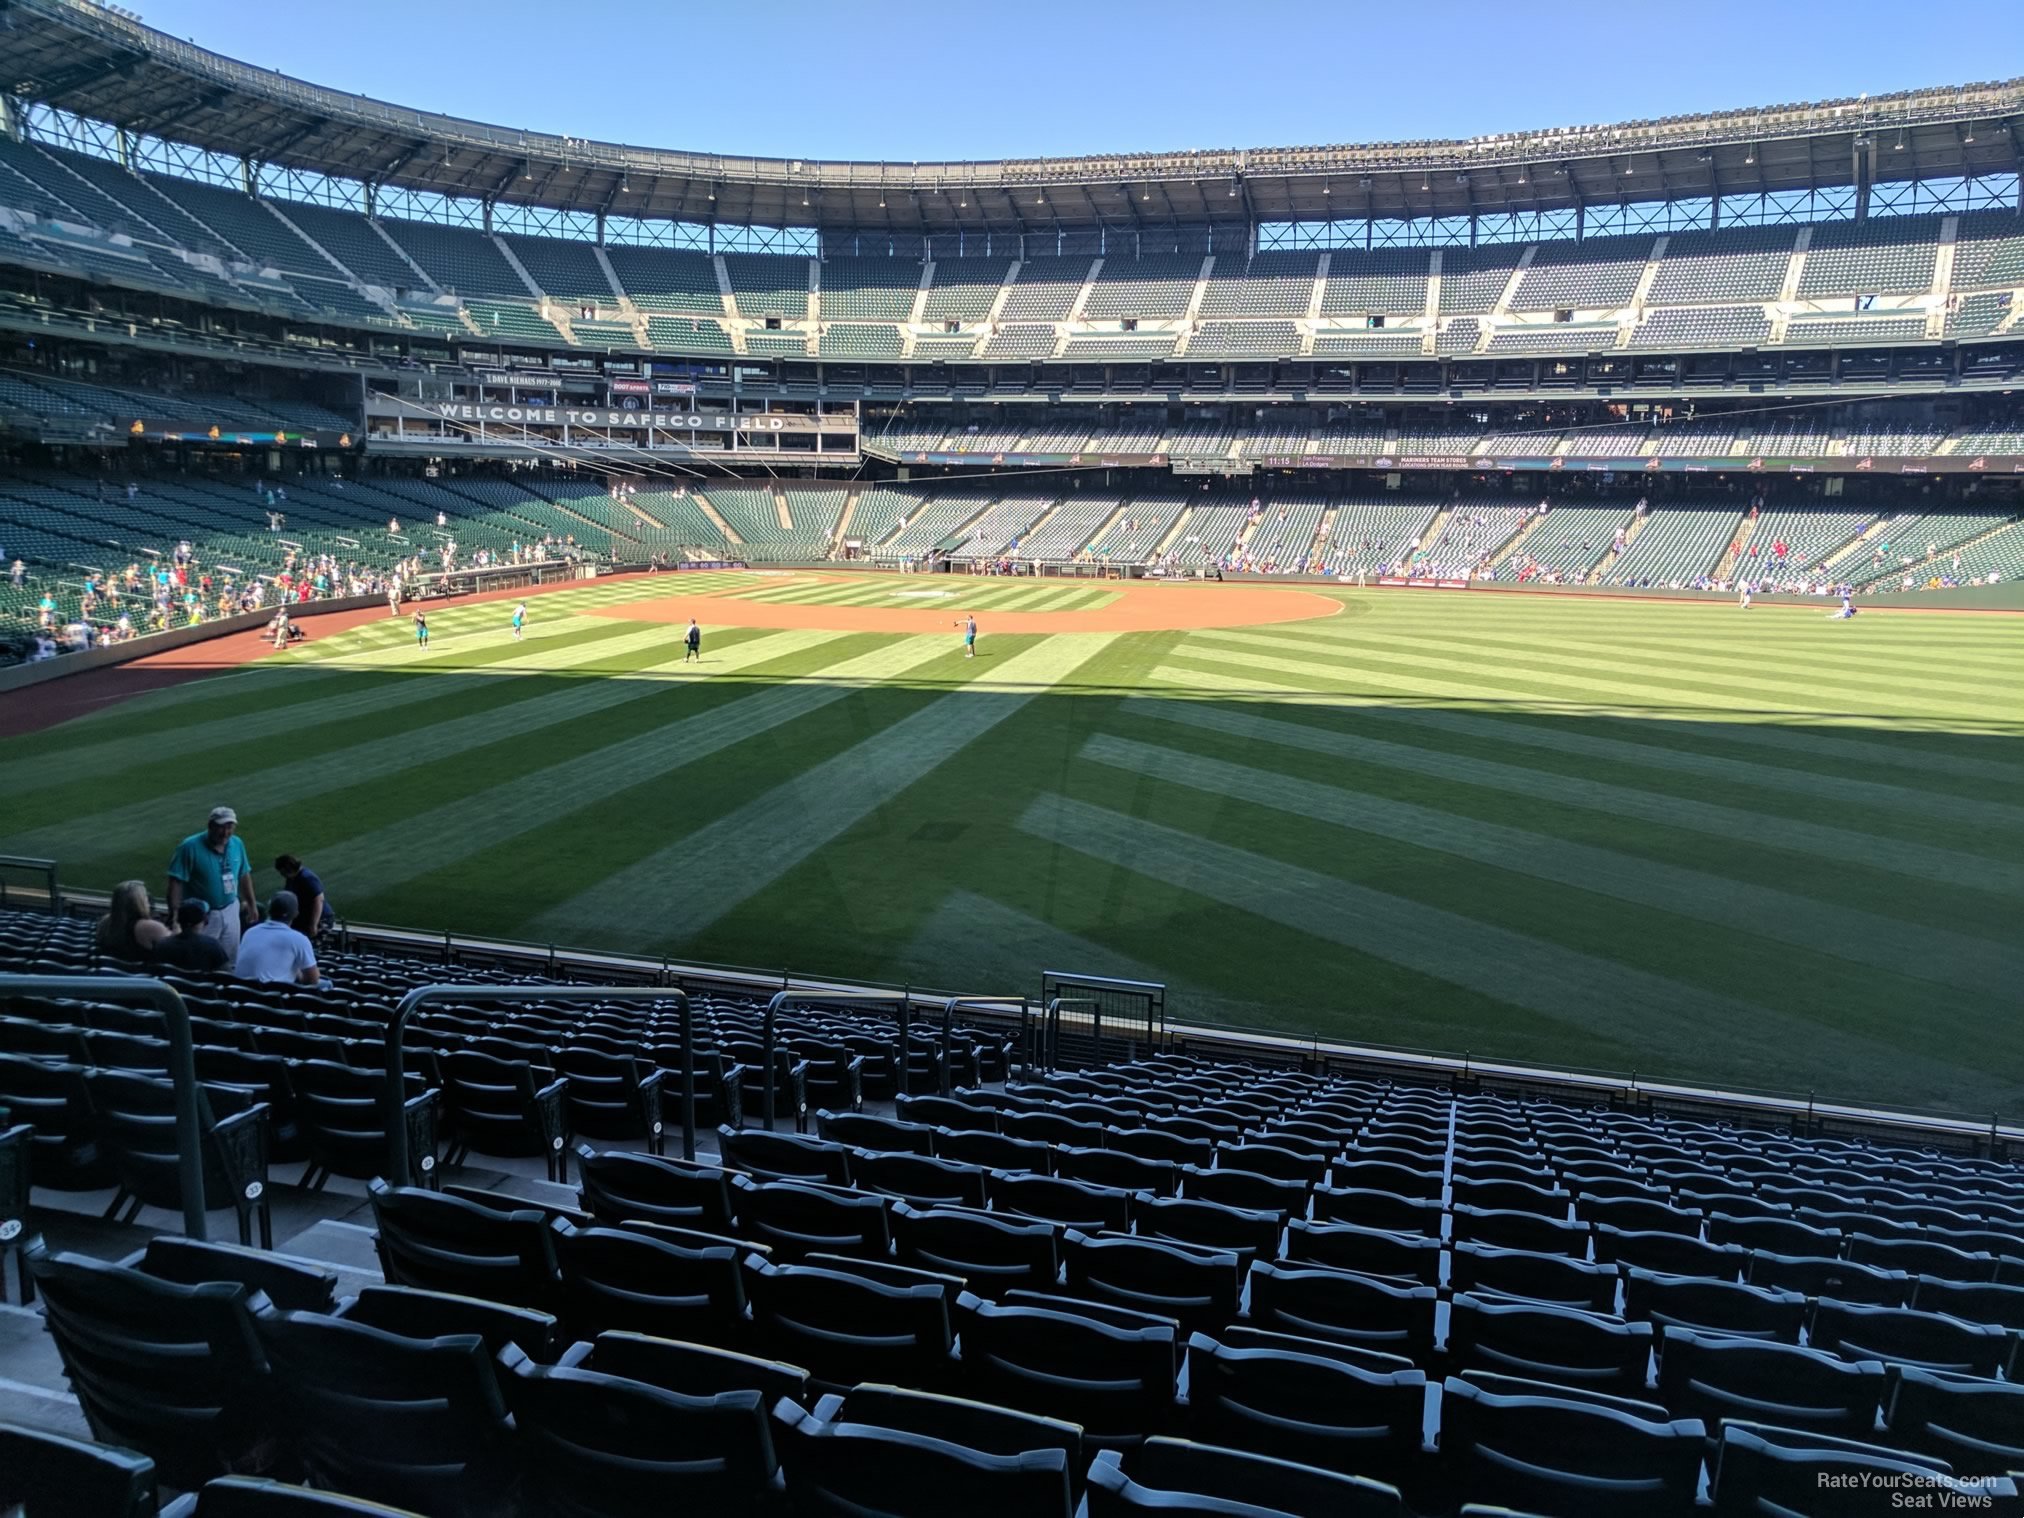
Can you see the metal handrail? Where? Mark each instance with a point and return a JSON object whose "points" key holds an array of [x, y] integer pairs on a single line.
{"points": [[948, 1024], [165, 999], [769, 1036], [1050, 1026], [422, 996], [43, 867]]}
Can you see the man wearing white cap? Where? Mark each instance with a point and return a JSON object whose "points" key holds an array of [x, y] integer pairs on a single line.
{"points": [[212, 867]]}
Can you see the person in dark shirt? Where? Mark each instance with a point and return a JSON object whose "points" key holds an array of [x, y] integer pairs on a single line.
{"points": [[313, 915], [189, 949]]}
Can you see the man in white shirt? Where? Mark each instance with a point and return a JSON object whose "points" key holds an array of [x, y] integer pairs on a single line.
{"points": [[274, 951]]}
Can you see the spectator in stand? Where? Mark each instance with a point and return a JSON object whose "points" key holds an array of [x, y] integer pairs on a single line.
{"points": [[20, 574], [212, 867], [189, 949], [129, 930], [273, 951], [313, 915]]}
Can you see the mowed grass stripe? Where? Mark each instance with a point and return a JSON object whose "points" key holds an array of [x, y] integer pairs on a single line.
{"points": [[1878, 676], [1912, 752], [532, 706], [1596, 994], [1404, 661], [1886, 943], [701, 877], [1735, 826], [1842, 789], [511, 807]]}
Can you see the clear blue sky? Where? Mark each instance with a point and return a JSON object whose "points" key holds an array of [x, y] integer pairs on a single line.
{"points": [[913, 79]]}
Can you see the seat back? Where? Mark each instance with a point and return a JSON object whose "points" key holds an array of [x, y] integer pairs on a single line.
{"points": [[171, 1371], [444, 1243], [418, 1422], [1197, 1289], [1552, 1279], [1308, 1407], [847, 1329], [50, 1476], [1975, 1425], [618, 1186], [1565, 1455], [1553, 1344], [599, 1446], [1728, 1307], [795, 1220], [990, 1252], [783, 1156], [615, 1279], [1716, 1376], [1900, 1336], [1317, 1303], [854, 1470], [1760, 1468], [1116, 1381]]}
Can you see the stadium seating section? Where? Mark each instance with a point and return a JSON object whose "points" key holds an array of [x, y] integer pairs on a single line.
{"points": [[1147, 1281]]}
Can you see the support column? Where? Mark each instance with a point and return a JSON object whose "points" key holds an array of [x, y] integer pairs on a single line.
{"points": [[10, 117], [123, 148], [249, 176], [487, 209], [600, 229], [1580, 221], [1862, 165]]}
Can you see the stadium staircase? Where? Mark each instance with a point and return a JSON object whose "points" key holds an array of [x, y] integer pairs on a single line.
{"points": [[1856, 547], [1948, 550], [519, 268], [423, 279], [1173, 534], [1738, 546], [645, 517], [1432, 535], [1943, 278], [781, 511], [1630, 535], [602, 529], [716, 520], [843, 519]]}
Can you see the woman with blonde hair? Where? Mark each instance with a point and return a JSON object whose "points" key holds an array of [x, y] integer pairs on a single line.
{"points": [[129, 929]]}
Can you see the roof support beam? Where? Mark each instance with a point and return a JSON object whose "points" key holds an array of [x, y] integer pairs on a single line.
{"points": [[66, 81]]}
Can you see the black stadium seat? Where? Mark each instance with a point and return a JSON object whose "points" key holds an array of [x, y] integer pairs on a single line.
{"points": [[1899, 1336], [1116, 1375], [444, 1243], [1309, 1401], [1334, 1305], [1197, 1288], [1974, 1424], [618, 1187], [1183, 1480], [1557, 1452], [855, 1468], [847, 1329], [1717, 1377], [1552, 1344], [1366, 1251], [596, 1445], [49, 1476], [1765, 1469], [170, 1371], [615, 1279], [1754, 1312], [989, 1251]]}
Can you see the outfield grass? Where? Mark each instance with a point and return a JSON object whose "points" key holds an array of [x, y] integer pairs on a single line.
{"points": [[1762, 849]]}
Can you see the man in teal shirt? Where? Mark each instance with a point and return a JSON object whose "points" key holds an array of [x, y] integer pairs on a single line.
{"points": [[212, 867]]}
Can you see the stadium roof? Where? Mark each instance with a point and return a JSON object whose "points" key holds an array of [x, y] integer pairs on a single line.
{"points": [[101, 63]]}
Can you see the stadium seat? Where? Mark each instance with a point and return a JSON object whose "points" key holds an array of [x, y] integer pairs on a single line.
{"points": [[16, 1153], [136, 1124], [844, 1468], [1753, 1312], [617, 1186], [1764, 1469], [289, 1284], [1551, 1344], [1553, 1280], [1668, 1253], [1073, 1204], [1716, 1377], [614, 1279], [783, 1156], [1504, 1228], [415, 1314], [1975, 1425], [796, 1220], [876, 1135], [48, 1476], [991, 1252], [262, 1497], [1197, 1288], [701, 1370], [847, 1329], [344, 1128], [598, 1445], [1173, 1476], [614, 1097], [371, 1413], [1210, 1225], [1114, 1374], [170, 1371], [1364, 1251], [1972, 1302], [1817, 1276], [1336, 1306], [1899, 1336], [1379, 1209], [51, 1099], [1558, 1452], [918, 1178], [957, 1420], [1309, 1401], [502, 1107], [445, 1243]]}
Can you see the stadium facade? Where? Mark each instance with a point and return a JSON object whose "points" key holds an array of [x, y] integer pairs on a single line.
{"points": [[213, 268]]}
